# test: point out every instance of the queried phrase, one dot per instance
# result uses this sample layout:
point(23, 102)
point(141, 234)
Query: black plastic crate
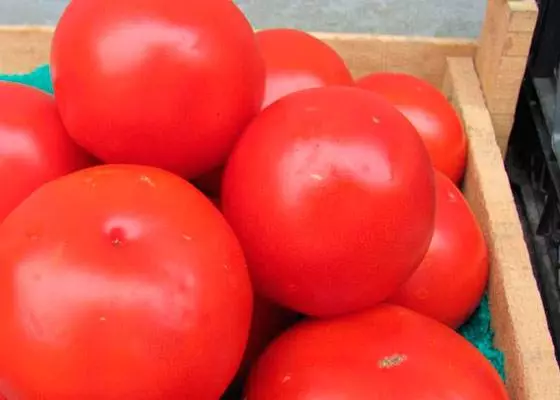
point(532, 160)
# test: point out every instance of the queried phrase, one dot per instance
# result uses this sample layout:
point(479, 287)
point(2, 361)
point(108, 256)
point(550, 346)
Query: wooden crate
point(481, 78)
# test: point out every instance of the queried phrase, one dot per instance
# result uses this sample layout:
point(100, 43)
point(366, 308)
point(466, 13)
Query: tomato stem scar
point(392, 361)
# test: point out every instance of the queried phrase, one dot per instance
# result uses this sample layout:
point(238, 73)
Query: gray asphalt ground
point(411, 17)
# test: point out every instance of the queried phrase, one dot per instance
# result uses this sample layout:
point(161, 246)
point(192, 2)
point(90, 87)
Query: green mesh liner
point(39, 78)
point(477, 330)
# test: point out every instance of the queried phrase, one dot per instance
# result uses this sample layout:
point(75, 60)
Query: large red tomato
point(432, 115)
point(331, 193)
point(120, 282)
point(387, 353)
point(34, 146)
point(451, 279)
point(164, 83)
point(295, 60)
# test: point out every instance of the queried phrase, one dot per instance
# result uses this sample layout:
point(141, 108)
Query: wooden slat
point(517, 311)
point(517, 43)
point(421, 56)
point(24, 48)
point(521, 15)
point(502, 55)
point(502, 123)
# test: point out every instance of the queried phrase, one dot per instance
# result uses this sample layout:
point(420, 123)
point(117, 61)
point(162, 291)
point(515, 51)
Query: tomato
point(165, 83)
point(331, 193)
point(295, 60)
point(387, 353)
point(432, 115)
point(450, 281)
point(118, 282)
point(34, 146)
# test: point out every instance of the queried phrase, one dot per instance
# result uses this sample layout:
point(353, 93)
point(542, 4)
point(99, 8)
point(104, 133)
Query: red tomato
point(451, 279)
point(119, 282)
point(331, 193)
point(387, 353)
point(295, 60)
point(432, 115)
point(164, 83)
point(34, 146)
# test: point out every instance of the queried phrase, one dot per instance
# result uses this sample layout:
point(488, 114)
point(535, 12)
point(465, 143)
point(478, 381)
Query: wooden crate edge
point(500, 60)
point(517, 310)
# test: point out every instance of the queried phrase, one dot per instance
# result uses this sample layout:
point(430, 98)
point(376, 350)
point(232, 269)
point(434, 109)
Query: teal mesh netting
point(477, 330)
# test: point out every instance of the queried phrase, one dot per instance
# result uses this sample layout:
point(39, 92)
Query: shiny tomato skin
point(34, 146)
point(296, 60)
point(450, 282)
point(165, 83)
point(331, 193)
point(385, 353)
point(120, 282)
point(429, 111)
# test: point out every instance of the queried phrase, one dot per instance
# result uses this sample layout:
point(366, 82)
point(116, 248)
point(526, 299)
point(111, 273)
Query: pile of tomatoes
point(201, 209)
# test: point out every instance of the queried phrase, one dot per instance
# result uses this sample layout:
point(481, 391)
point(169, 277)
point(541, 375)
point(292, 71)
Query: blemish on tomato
point(451, 197)
point(32, 235)
point(90, 181)
point(147, 180)
point(375, 120)
point(317, 177)
point(392, 361)
point(117, 236)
